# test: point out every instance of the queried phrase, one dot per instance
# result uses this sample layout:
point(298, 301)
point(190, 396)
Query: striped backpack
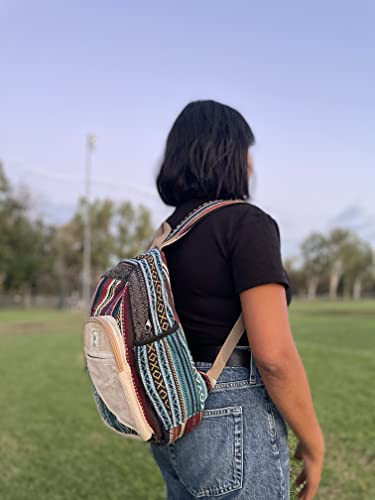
point(144, 380)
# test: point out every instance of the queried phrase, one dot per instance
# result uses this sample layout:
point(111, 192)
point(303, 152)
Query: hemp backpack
point(143, 375)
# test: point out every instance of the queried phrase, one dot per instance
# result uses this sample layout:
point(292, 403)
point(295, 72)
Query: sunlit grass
point(54, 446)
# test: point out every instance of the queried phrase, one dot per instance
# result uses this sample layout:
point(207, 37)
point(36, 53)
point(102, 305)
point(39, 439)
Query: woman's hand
point(311, 472)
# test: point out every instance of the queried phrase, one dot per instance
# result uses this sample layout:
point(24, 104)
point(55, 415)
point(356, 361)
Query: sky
point(301, 73)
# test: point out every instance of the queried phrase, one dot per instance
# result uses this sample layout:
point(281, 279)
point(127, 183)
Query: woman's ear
point(249, 164)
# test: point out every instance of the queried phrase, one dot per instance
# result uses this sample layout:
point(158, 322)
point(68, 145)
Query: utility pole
point(86, 274)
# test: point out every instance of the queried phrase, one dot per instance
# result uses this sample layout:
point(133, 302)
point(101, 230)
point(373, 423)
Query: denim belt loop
point(252, 375)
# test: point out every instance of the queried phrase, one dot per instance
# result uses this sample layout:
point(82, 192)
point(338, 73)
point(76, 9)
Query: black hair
point(206, 155)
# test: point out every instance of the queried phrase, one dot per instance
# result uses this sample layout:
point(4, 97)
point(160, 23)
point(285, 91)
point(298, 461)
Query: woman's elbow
point(275, 365)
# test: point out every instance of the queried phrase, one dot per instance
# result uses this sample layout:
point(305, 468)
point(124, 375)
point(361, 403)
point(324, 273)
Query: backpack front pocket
point(103, 373)
point(209, 460)
point(111, 375)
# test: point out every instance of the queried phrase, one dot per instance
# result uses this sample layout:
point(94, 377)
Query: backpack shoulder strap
point(166, 236)
point(161, 234)
point(192, 218)
point(226, 350)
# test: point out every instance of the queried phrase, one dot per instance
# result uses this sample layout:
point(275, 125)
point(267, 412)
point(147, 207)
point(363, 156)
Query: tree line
point(339, 263)
point(40, 259)
point(37, 258)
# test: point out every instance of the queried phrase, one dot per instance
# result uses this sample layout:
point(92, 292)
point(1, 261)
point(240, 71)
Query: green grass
point(54, 446)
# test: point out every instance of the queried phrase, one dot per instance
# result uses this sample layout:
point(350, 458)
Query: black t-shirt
point(229, 250)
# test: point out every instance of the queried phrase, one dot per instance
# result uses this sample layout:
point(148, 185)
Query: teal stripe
point(201, 386)
point(169, 382)
point(148, 384)
point(151, 294)
point(185, 374)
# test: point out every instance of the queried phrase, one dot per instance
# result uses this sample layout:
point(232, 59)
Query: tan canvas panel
point(110, 373)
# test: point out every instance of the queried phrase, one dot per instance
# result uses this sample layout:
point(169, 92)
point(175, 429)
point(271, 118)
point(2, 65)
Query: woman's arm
point(266, 319)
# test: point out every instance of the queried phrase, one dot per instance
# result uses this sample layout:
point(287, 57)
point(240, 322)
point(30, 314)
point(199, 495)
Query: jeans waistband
point(240, 355)
point(232, 376)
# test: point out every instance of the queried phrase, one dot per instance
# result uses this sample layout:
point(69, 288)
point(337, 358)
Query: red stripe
point(193, 421)
point(102, 295)
point(117, 290)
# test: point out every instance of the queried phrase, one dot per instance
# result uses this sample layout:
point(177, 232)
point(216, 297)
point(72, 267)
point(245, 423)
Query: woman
point(230, 261)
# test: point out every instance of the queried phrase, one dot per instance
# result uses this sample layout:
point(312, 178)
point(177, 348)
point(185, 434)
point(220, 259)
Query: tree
point(358, 261)
point(314, 253)
point(117, 232)
point(338, 239)
point(23, 242)
point(134, 229)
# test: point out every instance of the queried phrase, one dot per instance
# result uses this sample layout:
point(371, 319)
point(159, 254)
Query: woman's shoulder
point(248, 214)
point(242, 224)
point(230, 219)
point(254, 248)
point(249, 209)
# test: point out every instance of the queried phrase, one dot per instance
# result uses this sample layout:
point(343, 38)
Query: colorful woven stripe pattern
point(137, 293)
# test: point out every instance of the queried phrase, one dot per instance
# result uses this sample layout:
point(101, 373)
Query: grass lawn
point(54, 446)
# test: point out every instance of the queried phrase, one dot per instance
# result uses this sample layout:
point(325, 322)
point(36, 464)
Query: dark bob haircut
point(206, 155)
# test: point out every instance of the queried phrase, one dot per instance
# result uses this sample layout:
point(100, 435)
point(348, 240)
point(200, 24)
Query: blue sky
point(302, 74)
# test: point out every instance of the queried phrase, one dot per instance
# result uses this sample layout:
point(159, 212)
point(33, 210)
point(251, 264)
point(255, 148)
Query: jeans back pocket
point(209, 459)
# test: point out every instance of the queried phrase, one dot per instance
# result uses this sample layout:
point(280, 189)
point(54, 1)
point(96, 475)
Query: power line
point(132, 189)
point(94, 180)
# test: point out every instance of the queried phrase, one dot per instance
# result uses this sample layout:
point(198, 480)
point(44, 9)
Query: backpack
point(143, 376)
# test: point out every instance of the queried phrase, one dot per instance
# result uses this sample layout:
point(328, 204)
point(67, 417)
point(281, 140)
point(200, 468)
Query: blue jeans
point(238, 451)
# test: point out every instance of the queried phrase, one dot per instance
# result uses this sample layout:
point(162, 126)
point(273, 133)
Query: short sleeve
point(256, 255)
